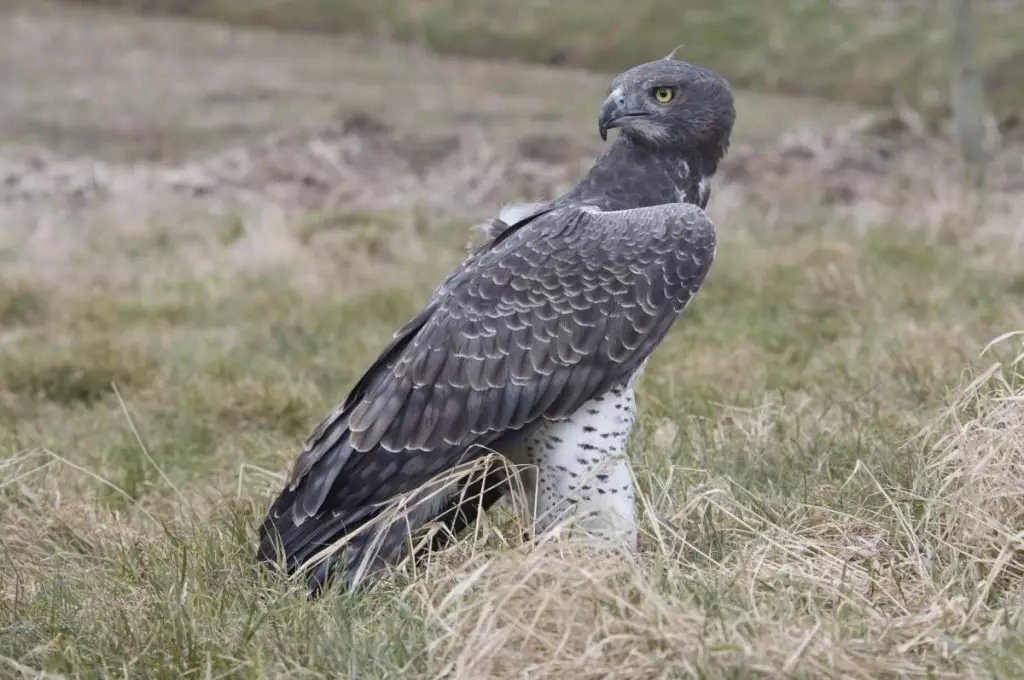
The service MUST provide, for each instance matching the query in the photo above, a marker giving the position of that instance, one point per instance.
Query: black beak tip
(603, 131)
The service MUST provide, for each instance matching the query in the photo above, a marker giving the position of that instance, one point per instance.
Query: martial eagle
(530, 347)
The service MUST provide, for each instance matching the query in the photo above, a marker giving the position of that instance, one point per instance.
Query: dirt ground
(136, 131)
(111, 122)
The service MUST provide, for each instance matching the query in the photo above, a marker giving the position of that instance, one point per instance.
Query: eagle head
(671, 103)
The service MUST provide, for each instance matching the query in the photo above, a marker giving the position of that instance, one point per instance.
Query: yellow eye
(663, 94)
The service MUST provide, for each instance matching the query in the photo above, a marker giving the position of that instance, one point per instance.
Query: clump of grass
(926, 581)
(975, 510)
(67, 375)
(21, 303)
(174, 593)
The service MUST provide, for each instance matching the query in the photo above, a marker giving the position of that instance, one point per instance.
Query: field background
(208, 228)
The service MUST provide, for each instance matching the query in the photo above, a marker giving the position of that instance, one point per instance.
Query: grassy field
(869, 51)
(830, 453)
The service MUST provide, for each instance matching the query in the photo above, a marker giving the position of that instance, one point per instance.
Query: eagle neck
(632, 175)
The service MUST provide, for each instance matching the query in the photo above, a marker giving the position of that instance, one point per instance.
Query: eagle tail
(370, 549)
(285, 543)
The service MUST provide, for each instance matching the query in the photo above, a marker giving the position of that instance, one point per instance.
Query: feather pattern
(555, 337)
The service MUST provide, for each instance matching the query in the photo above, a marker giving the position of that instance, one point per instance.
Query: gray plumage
(559, 307)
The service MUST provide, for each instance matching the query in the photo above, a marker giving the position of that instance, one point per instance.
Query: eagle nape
(531, 347)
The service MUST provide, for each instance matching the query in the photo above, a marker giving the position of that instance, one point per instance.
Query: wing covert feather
(559, 310)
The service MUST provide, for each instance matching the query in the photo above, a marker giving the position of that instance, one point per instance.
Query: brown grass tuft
(904, 589)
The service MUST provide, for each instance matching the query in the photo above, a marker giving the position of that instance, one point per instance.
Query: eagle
(530, 348)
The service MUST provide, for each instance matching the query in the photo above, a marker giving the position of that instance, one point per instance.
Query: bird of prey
(530, 348)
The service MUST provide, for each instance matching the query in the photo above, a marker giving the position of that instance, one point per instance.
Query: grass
(867, 52)
(829, 450)
(823, 494)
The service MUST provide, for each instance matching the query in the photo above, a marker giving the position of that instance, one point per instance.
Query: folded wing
(558, 309)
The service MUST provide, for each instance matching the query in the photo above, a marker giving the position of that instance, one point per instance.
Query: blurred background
(865, 51)
(214, 214)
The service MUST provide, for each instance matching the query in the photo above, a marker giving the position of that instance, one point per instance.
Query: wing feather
(556, 310)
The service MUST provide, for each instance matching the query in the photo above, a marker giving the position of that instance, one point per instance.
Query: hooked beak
(615, 112)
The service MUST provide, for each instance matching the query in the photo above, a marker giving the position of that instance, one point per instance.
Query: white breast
(578, 466)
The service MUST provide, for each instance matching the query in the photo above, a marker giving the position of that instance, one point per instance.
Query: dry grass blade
(782, 595)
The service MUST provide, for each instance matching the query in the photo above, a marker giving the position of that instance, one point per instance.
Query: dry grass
(830, 453)
(922, 581)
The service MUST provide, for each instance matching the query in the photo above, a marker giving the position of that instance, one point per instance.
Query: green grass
(791, 520)
(864, 51)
